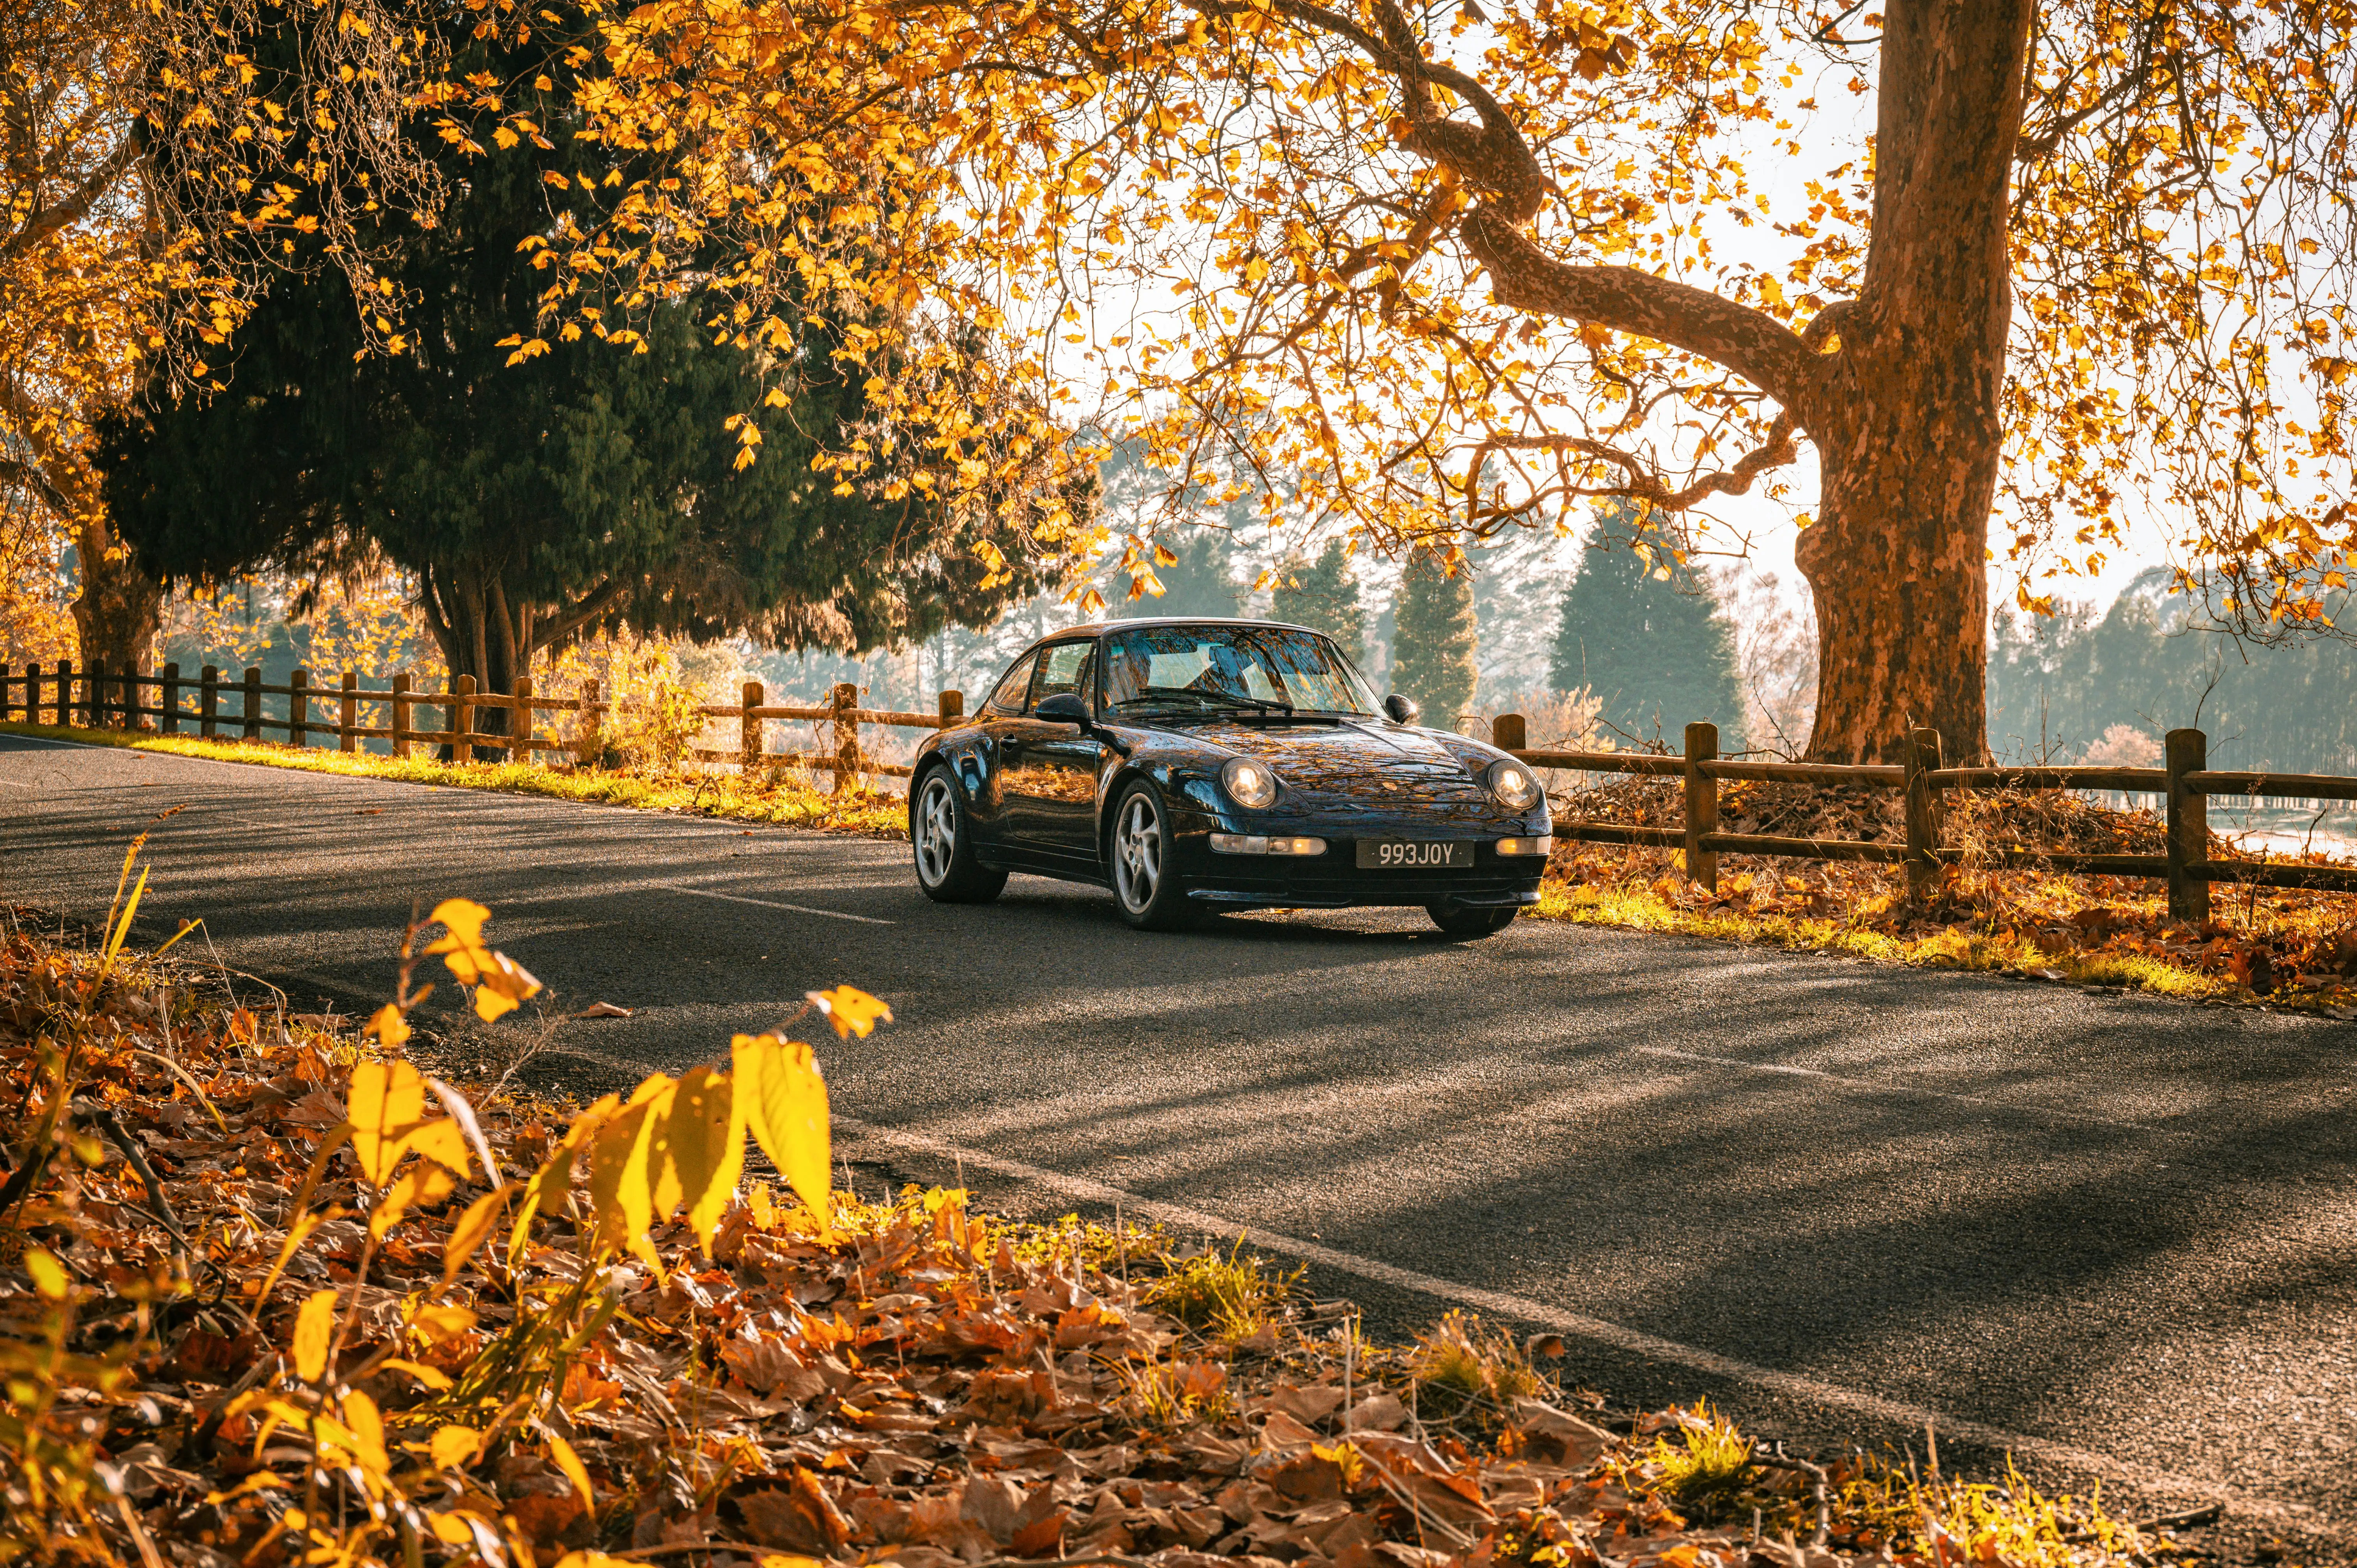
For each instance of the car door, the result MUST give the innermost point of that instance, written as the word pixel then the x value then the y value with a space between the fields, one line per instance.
pixel 1001 718
pixel 1049 773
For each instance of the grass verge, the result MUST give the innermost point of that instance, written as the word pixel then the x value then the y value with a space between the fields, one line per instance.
pixel 788 799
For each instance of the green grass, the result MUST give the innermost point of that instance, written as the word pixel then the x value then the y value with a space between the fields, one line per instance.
pixel 1227 1296
pixel 790 801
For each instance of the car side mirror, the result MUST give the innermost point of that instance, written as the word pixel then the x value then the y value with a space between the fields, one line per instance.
pixel 1402 710
pixel 1063 708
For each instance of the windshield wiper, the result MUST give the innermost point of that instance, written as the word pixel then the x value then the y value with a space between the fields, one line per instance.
pixel 1222 698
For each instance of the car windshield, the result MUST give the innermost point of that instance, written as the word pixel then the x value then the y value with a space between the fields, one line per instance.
pixel 1261 668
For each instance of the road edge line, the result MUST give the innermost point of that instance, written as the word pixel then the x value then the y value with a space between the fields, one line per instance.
pixel 1504 1303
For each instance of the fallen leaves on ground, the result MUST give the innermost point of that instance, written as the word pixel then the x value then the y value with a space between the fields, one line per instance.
pixel 230 1345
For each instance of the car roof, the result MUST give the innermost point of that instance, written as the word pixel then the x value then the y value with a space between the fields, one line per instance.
pixel 1098 627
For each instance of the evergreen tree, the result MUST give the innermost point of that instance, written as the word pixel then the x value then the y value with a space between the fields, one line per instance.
pixel 1655 649
pixel 1322 595
pixel 537 498
pixel 1432 647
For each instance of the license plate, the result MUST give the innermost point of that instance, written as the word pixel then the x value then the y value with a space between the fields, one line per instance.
pixel 1392 854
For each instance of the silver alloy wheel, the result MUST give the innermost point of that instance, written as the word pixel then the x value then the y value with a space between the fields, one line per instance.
pixel 936 829
pixel 1137 853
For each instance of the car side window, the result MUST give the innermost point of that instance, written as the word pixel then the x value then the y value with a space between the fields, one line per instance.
pixel 1067 667
pixel 1007 697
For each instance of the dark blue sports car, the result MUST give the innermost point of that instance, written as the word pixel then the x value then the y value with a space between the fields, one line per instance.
pixel 1194 766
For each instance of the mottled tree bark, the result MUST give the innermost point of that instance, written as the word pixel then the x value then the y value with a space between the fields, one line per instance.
pixel 1905 416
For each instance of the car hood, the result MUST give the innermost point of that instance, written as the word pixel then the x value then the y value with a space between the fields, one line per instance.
pixel 1354 766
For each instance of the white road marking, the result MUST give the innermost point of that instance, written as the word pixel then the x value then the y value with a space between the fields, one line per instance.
pixel 774 904
pixel 1794 1385
pixel 1872 1086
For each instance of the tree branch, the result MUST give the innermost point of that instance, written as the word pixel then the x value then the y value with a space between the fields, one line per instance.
pixel 565 623
pixel 40 225
pixel 1774 452
pixel 1752 344
pixel 17 471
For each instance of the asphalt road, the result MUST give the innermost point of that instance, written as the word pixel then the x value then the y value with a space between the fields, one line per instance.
pixel 2117 1235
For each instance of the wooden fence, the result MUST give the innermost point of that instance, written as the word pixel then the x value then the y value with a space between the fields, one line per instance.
pixel 2185 783
pixel 97 698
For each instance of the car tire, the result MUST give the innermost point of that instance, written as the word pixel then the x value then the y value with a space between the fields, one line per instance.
pixel 1462 920
pixel 941 841
pixel 1142 854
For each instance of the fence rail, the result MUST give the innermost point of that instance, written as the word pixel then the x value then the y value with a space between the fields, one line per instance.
pixel 2185 784
pixel 97 698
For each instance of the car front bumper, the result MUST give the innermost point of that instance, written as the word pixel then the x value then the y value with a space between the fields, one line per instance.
pixel 1334 880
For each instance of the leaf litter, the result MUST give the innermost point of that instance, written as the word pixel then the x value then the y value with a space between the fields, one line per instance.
pixel 326 1309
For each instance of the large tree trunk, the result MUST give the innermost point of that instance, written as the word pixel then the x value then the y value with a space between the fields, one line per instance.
pixel 1906 417
pixel 488 632
pixel 119 609
pixel 480 635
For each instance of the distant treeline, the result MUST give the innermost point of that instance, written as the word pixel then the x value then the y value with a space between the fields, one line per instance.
pixel 2059 686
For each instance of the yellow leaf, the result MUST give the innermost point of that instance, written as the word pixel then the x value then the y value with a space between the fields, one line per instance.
pixel 462 920
pixel 570 1463
pixel 315 1326
pixel 388 1099
pixel 388 1026
pixel 851 1011
pixel 49 1274
pixel 454 1446
pixel 468 1234
pixel 705 1137
pixel 785 1105
pixel 443 1141
pixel 368 1432
pixel 765 1213
pixel 425 1182
pixel 426 1375
pixel 436 1323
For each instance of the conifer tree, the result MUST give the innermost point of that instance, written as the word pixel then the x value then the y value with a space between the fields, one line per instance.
pixel 1322 595
pixel 1432 647
pixel 1654 648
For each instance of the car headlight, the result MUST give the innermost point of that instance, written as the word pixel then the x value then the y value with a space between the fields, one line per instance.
pixel 1514 785
pixel 1249 783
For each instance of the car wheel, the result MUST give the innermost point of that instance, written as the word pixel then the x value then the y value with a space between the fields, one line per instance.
pixel 1144 855
pixel 942 845
pixel 1461 921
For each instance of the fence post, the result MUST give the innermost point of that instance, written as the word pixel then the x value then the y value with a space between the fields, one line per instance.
pixel 5 704
pixel 520 721
pixel 347 713
pixel 401 742
pixel 1702 803
pixel 950 705
pixel 298 709
pixel 588 739
pixel 101 696
pixel 252 702
pixel 1925 754
pixel 170 719
pixel 65 693
pixel 208 701
pixel 749 732
pixel 462 719
pixel 846 736
pixel 2187 751
pixel 1508 732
